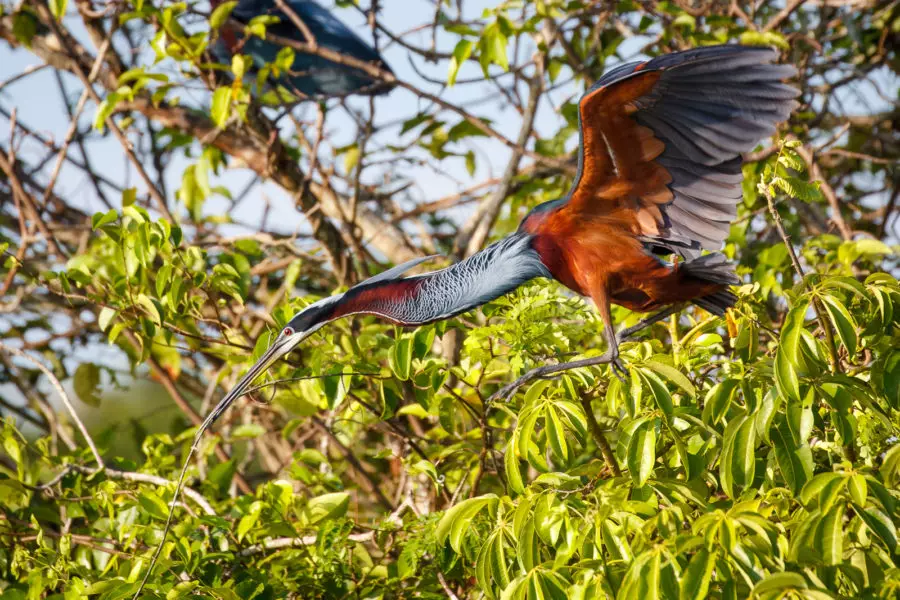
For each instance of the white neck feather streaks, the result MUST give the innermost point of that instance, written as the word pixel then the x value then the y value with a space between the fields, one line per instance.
pixel 491 273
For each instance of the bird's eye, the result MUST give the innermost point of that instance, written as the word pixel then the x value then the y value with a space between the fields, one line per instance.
pixel 287 331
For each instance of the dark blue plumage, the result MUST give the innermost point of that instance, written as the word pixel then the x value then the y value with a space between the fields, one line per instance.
pixel 311 75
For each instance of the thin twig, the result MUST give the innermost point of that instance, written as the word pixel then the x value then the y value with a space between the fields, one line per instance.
pixel 63 396
pixel 296 542
pixel 795 262
pixel 113 126
pixel 608 457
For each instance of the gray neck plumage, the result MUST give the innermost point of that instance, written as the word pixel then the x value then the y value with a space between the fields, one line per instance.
pixel 489 274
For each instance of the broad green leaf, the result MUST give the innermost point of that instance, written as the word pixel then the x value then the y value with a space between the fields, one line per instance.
pixel 779 583
pixel 461 54
pixel 86 382
pixel 829 537
pixel 794 460
pixel 642 453
pixel 674 375
pixel 738 461
pixel 890 467
pixel 401 358
pixel 106 315
pixel 880 524
pixel 221 14
pixel 858 489
pixel 249 520
pixel 326 507
pixel 556 434
pixel 658 390
pixel 512 469
pixel 101 219
pixel 843 323
pixel 696 578
pixel 786 380
pixel 455 522
pixel 492 48
pixel 718 400
pixel 221 106
pixel 153 505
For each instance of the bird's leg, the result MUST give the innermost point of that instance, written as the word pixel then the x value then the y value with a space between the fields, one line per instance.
pixel 601 299
pixel 644 323
pixel 611 356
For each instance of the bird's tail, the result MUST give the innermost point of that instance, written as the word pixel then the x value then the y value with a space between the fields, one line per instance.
pixel 713 268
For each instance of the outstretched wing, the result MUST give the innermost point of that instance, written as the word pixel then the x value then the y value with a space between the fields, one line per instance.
pixel 661 141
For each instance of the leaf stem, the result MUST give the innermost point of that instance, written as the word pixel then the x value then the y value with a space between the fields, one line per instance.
pixel 820 315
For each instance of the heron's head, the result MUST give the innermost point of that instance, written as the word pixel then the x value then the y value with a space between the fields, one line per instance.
pixel 301 326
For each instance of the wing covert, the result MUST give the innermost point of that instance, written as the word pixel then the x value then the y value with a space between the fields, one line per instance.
pixel 661 141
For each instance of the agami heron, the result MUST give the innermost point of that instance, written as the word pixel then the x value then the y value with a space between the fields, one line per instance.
pixel 659 172
pixel 309 75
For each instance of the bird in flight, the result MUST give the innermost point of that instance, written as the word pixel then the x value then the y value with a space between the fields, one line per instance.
pixel 310 75
pixel 659 173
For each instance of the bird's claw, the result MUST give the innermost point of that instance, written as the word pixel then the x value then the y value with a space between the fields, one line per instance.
pixel 618 368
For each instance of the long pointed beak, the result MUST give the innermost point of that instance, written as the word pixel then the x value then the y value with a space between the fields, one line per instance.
pixel 282 345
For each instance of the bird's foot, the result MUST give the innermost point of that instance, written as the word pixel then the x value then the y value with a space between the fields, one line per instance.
pixel 618 368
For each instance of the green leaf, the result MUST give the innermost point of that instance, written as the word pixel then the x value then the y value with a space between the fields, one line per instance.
pixel 641 454
pixel 221 14
pixel 880 524
pixel 461 54
pixel 153 505
pixel 58 8
pixel 326 507
pixel 151 308
pixel 248 521
pixel 890 467
pixel 221 106
pixel 221 475
pixel 401 358
pixel 696 578
pixel 843 323
pixel 873 247
pixel 829 538
pixel 744 453
pixel 351 158
pixel 556 434
pixel 470 163
pixel 247 431
pixel 24 27
pixel 658 390
pixel 858 489
pixel 718 400
pixel 455 522
pixel 513 469
pixel 779 583
pixel 105 110
pixel 794 460
pixel 786 380
pixel 786 357
pixel 672 374
pixel 129 195
pixel 106 315
pixel 492 48
pixel 101 219
pixel 86 382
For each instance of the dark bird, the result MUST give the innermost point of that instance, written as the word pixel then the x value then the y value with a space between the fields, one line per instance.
pixel 659 172
pixel 310 75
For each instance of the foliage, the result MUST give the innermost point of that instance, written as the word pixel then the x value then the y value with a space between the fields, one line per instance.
pixel 754 455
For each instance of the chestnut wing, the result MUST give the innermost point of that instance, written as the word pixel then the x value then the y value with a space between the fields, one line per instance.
pixel 661 141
